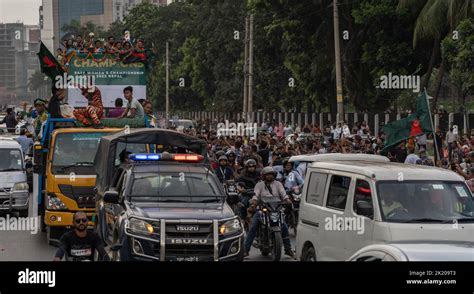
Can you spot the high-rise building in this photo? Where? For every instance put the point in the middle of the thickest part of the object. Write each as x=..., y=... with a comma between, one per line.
x=18, y=61
x=54, y=14
x=122, y=7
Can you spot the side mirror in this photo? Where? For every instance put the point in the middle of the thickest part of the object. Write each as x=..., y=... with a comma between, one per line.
x=38, y=159
x=365, y=208
x=111, y=197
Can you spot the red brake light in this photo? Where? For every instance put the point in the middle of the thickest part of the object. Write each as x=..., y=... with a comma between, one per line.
x=188, y=157
x=363, y=190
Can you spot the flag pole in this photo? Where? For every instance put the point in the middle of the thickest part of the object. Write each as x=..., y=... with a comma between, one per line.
x=432, y=128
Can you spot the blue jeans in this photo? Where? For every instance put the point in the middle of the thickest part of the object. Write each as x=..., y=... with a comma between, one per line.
x=245, y=201
x=253, y=231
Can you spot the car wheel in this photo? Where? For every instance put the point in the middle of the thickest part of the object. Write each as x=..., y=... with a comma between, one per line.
x=309, y=254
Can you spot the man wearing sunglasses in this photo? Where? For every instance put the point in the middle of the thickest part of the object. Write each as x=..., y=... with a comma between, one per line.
x=80, y=244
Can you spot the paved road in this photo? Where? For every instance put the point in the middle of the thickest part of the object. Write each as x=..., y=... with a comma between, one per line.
x=25, y=246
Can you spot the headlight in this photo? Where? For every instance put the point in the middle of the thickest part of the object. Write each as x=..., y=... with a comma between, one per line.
x=20, y=187
x=139, y=226
x=230, y=227
x=54, y=203
x=274, y=216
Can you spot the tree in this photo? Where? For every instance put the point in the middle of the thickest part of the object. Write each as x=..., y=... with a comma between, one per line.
x=75, y=28
x=434, y=20
x=459, y=56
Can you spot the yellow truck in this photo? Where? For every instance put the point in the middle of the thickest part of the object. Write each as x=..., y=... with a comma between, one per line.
x=64, y=175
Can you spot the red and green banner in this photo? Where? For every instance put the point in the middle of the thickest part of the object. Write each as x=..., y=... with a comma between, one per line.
x=49, y=65
x=413, y=125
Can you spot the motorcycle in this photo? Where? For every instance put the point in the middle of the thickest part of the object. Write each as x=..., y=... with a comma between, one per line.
x=269, y=238
x=232, y=199
x=245, y=195
x=292, y=211
x=29, y=172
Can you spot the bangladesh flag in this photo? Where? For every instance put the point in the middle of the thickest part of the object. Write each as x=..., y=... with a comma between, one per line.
x=411, y=126
x=49, y=65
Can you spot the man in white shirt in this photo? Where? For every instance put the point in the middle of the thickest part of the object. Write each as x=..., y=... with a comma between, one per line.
x=412, y=158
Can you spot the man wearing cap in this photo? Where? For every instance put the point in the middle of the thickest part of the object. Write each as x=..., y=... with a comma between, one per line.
x=424, y=159
x=42, y=115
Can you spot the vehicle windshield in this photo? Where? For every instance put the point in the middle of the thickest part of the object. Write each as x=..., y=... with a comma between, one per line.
x=425, y=201
x=10, y=160
x=175, y=187
x=75, y=152
x=183, y=123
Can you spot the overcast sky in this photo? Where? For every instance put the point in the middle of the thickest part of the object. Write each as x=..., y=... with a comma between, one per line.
x=26, y=11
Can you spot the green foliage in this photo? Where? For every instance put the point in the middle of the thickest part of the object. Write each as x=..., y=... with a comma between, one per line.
x=292, y=40
x=459, y=54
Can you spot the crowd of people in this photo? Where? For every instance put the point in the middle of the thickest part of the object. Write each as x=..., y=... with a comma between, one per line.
x=276, y=142
x=123, y=48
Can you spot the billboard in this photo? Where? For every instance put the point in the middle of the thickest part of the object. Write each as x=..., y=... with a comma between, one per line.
x=109, y=74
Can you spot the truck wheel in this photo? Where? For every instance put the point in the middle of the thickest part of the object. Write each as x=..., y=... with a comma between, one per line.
x=51, y=242
x=42, y=223
x=23, y=213
x=240, y=256
x=125, y=253
x=265, y=251
x=277, y=244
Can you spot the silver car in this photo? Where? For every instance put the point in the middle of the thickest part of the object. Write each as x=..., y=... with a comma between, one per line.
x=14, y=194
x=454, y=251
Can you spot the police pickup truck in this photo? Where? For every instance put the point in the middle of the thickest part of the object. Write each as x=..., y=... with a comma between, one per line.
x=158, y=200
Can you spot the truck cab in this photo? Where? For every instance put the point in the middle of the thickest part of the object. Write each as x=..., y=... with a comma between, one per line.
x=64, y=176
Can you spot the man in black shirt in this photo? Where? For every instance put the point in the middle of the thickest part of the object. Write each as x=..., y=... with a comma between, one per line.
x=264, y=153
x=80, y=244
x=401, y=153
x=54, y=106
x=10, y=121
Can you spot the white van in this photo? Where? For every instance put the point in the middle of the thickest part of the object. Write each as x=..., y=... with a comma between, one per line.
x=353, y=200
x=14, y=194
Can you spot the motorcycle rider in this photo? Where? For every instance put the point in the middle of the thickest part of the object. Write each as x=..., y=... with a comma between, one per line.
x=231, y=156
x=224, y=172
x=247, y=179
x=290, y=179
x=268, y=188
x=214, y=159
x=249, y=176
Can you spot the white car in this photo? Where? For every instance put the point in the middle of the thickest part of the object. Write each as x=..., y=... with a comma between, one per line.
x=181, y=124
x=416, y=252
x=350, y=201
x=14, y=194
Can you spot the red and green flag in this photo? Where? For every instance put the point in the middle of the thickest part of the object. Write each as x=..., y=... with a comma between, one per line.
x=49, y=65
x=411, y=126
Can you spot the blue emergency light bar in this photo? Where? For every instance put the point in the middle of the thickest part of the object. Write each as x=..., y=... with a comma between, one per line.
x=145, y=157
x=166, y=157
